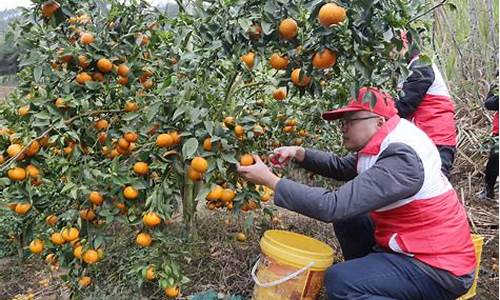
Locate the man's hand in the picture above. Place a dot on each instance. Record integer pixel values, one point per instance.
(258, 173)
(283, 155)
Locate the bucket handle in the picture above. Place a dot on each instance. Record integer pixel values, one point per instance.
(281, 280)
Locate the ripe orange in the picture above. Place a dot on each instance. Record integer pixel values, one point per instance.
(288, 29)
(248, 59)
(101, 124)
(164, 140)
(207, 144)
(143, 239)
(331, 13)
(199, 164)
(147, 84)
(229, 121)
(98, 76)
(291, 122)
(228, 195)
(83, 77)
(70, 234)
(33, 148)
(215, 193)
(123, 143)
(130, 193)
(14, 149)
(239, 131)
(131, 106)
(122, 80)
(32, 171)
(324, 59)
(49, 8)
(2, 159)
(57, 239)
(266, 196)
(123, 70)
(296, 78)
(288, 129)
(258, 130)
(83, 61)
(172, 292)
(278, 62)
(246, 160)
(16, 174)
(59, 103)
(141, 168)
(150, 273)
(51, 220)
(104, 65)
(90, 256)
(101, 137)
(131, 137)
(87, 38)
(298, 142)
(87, 214)
(279, 94)
(51, 258)
(255, 31)
(96, 198)
(241, 237)
(84, 281)
(176, 137)
(194, 175)
(36, 246)
(23, 110)
(151, 219)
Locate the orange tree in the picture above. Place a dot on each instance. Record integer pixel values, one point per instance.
(124, 115)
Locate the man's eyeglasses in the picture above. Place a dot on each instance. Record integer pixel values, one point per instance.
(348, 122)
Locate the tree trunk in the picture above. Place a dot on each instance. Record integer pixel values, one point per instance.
(189, 205)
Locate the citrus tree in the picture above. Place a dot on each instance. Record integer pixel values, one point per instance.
(126, 116)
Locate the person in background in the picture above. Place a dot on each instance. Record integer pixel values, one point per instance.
(426, 101)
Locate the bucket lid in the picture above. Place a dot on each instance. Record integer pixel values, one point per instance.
(296, 249)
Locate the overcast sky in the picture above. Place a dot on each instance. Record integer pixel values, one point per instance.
(6, 4)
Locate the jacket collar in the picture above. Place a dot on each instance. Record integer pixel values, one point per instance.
(373, 146)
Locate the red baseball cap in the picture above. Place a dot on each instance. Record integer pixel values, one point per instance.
(384, 105)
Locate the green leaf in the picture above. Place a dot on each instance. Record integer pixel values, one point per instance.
(37, 73)
(189, 148)
(229, 157)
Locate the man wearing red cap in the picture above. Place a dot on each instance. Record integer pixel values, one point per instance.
(402, 230)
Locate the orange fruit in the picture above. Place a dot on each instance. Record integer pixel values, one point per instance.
(255, 31)
(288, 129)
(131, 136)
(70, 234)
(279, 94)
(176, 137)
(122, 80)
(87, 214)
(84, 281)
(241, 237)
(2, 159)
(16, 174)
(87, 38)
(23, 110)
(123, 143)
(49, 8)
(14, 149)
(258, 130)
(303, 133)
(266, 197)
(207, 144)
(164, 140)
(51, 258)
(90, 256)
(60, 103)
(291, 122)
(96, 198)
(199, 164)
(57, 239)
(229, 121)
(98, 76)
(150, 273)
(298, 142)
(141, 168)
(194, 175)
(227, 195)
(130, 106)
(151, 219)
(83, 77)
(123, 70)
(51, 220)
(77, 251)
(32, 171)
(215, 193)
(324, 59)
(104, 65)
(331, 13)
(101, 137)
(239, 131)
(296, 78)
(36, 246)
(83, 61)
(248, 59)
(147, 84)
(172, 292)
(246, 160)
(143, 239)
(101, 124)
(278, 62)
(130, 193)
(288, 29)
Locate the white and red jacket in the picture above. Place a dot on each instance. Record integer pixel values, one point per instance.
(427, 102)
(491, 103)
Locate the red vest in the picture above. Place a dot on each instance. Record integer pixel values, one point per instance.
(495, 124)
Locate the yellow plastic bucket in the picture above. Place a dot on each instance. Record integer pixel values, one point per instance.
(291, 266)
(478, 241)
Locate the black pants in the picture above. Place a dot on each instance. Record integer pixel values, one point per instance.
(447, 154)
(491, 172)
